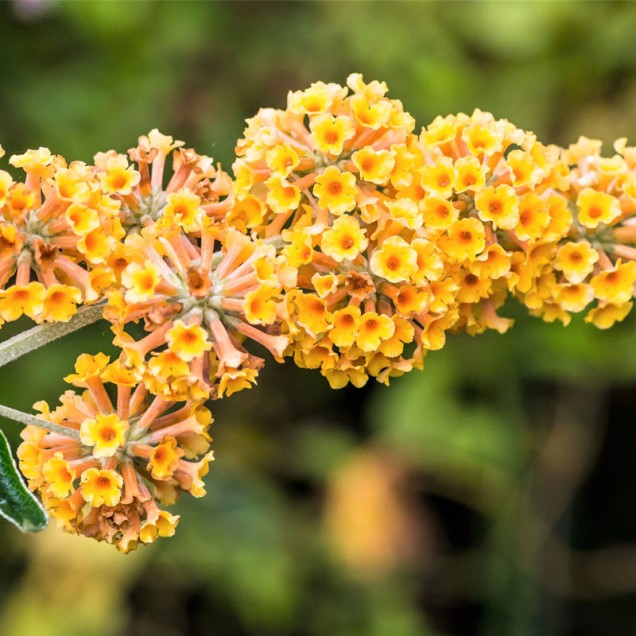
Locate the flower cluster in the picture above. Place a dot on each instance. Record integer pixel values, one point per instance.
(119, 460)
(201, 293)
(396, 237)
(347, 241)
(58, 228)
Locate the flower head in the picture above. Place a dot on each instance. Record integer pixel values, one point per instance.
(123, 456)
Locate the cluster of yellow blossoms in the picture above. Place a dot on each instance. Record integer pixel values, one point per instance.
(398, 237)
(345, 240)
(105, 477)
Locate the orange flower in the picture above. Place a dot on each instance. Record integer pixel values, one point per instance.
(345, 240)
(395, 261)
(465, 240)
(336, 190)
(129, 458)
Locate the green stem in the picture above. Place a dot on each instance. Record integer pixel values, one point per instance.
(41, 335)
(26, 418)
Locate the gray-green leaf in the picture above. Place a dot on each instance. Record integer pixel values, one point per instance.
(17, 503)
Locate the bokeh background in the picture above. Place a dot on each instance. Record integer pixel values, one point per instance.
(492, 494)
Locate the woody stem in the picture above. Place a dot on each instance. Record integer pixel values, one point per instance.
(41, 335)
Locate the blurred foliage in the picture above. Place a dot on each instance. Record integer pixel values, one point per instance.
(448, 503)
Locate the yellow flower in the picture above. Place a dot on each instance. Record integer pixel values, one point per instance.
(22, 299)
(472, 288)
(406, 212)
(430, 265)
(105, 433)
(87, 366)
(439, 177)
(60, 303)
(246, 213)
(118, 177)
(324, 284)
(596, 207)
(59, 476)
(439, 214)
(260, 308)
(82, 219)
(329, 133)
(101, 487)
(605, 316)
(339, 378)
(403, 334)
(188, 341)
(311, 310)
(140, 281)
(282, 160)
(345, 240)
(373, 328)
(163, 526)
(576, 260)
(616, 285)
(281, 195)
(493, 262)
(344, 326)
(533, 217)
(97, 245)
(336, 190)
(466, 238)
(575, 297)
(443, 294)
(411, 299)
(396, 260)
(71, 185)
(523, 169)
(190, 474)
(498, 205)
(560, 218)
(374, 166)
(470, 174)
(298, 250)
(315, 99)
(164, 458)
(482, 140)
(234, 380)
(183, 208)
(370, 115)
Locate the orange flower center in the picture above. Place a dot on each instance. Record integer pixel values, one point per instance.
(347, 242)
(119, 181)
(107, 434)
(335, 187)
(494, 207)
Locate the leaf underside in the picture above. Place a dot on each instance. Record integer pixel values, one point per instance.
(17, 504)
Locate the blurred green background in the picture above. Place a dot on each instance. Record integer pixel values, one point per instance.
(491, 494)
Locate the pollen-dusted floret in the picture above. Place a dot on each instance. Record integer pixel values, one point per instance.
(123, 457)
